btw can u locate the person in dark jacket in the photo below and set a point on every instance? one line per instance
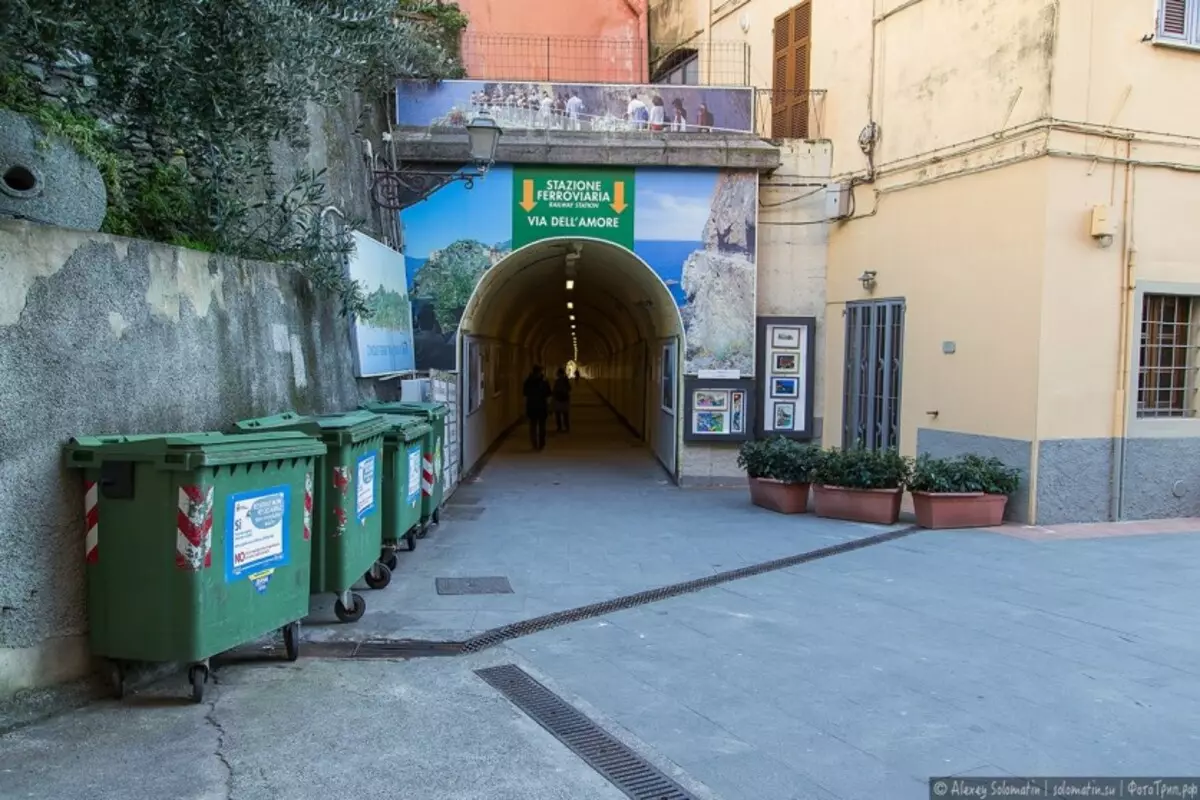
(537, 396)
(562, 402)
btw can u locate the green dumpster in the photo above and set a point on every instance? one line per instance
(402, 451)
(433, 478)
(347, 529)
(194, 544)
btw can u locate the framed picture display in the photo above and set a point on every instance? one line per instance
(786, 363)
(718, 409)
(786, 337)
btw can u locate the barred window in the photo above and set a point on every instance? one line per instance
(1167, 370)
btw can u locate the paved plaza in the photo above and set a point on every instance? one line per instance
(859, 675)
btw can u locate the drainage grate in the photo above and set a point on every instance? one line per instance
(624, 768)
(462, 512)
(496, 585)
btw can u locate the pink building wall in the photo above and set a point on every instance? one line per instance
(594, 41)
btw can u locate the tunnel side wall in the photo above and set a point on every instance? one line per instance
(493, 405)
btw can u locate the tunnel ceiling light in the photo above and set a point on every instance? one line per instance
(570, 304)
(572, 318)
(570, 284)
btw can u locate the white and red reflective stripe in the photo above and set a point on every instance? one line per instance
(427, 475)
(193, 540)
(308, 505)
(91, 515)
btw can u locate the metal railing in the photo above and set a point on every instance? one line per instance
(783, 114)
(559, 59)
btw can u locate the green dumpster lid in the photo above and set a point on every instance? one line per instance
(407, 426)
(426, 410)
(192, 450)
(348, 427)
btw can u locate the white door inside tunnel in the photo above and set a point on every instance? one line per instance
(566, 303)
(664, 402)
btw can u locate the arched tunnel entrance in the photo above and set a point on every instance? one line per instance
(581, 302)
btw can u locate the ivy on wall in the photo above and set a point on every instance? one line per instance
(180, 103)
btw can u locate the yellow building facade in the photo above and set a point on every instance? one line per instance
(1013, 253)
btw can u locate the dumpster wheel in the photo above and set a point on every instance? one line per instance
(117, 676)
(291, 640)
(389, 559)
(198, 676)
(350, 614)
(411, 538)
(378, 576)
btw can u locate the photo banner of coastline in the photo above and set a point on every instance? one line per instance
(577, 106)
(695, 228)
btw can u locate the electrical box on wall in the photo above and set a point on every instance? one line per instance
(837, 201)
(1101, 221)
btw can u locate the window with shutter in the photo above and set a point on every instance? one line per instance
(789, 97)
(1179, 21)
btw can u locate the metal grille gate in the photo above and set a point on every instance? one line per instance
(874, 352)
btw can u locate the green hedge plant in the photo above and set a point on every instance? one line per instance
(780, 459)
(964, 474)
(859, 468)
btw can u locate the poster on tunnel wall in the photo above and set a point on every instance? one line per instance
(696, 228)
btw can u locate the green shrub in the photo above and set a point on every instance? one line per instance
(859, 468)
(965, 473)
(781, 459)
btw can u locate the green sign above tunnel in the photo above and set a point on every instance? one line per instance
(549, 202)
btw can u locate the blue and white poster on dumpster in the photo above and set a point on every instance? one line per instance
(414, 474)
(256, 534)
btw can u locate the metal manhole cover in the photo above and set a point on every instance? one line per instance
(463, 512)
(486, 585)
(608, 755)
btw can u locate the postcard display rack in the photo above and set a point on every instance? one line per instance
(719, 409)
(785, 376)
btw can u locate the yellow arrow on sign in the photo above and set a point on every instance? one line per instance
(618, 203)
(527, 195)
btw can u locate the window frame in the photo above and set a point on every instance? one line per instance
(1190, 40)
(1152, 427)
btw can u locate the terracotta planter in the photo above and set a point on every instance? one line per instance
(879, 506)
(939, 511)
(786, 498)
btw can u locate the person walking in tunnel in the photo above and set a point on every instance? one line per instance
(562, 402)
(537, 396)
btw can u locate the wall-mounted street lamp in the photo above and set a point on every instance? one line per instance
(398, 188)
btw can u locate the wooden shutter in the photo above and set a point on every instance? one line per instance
(1175, 19)
(791, 79)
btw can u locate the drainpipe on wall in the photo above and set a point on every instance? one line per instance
(1116, 494)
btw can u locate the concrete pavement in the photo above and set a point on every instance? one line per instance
(856, 676)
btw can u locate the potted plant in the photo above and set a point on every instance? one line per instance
(967, 491)
(861, 485)
(779, 471)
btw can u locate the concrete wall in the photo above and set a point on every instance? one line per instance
(972, 283)
(595, 42)
(106, 335)
(505, 366)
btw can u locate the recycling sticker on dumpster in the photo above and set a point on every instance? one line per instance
(365, 487)
(256, 531)
(414, 475)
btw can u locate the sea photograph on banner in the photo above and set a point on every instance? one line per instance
(383, 341)
(665, 109)
(694, 228)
